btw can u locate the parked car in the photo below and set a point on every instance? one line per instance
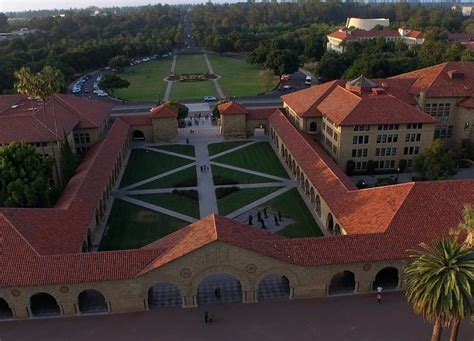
(210, 98)
(285, 78)
(308, 80)
(285, 88)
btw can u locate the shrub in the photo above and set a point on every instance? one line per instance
(225, 191)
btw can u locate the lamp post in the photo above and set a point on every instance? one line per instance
(398, 172)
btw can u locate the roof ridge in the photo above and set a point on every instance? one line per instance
(69, 106)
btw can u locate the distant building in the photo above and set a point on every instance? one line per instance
(338, 40)
(367, 24)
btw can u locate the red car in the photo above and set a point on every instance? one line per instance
(285, 78)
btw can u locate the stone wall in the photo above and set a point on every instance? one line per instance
(233, 126)
(165, 129)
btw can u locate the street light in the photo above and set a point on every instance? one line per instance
(398, 172)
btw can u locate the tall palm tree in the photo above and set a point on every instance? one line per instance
(466, 226)
(439, 282)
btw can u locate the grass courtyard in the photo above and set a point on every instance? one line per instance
(168, 203)
(192, 90)
(239, 78)
(146, 81)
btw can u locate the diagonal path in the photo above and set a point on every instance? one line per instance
(219, 91)
(259, 202)
(158, 209)
(169, 153)
(245, 170)
(156, 177)
(228, 151)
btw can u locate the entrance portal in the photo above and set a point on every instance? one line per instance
(273, 287)
(164, 295)
(219, 288)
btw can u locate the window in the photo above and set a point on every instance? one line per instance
(313, 126)
(443, 132)
(360, 139)
(439, 110)
(388, 127)
(359, 152)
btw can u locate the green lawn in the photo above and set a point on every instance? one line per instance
(183, 149)
(146, 81)
(239, 78)
(143, 164)
(192, 90)
(242, 197)
(292, 206)
(185, 178)
(132, 227)
(216, 148)
(191, 63)
(225, 176)
(258, 157)
(172, 201)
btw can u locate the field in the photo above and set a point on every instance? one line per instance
(192, 90)
(239, 78)
(146, 81)
(191, 63)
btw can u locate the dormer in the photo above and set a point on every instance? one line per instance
(456, 75)
(361, 85)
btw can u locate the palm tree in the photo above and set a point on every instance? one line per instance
(439, 282)
(466, 226)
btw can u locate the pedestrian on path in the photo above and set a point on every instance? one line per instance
(210, 318)
(259, 216)
(202, 169)
(279, 215)
(265, 212)
(379, 297)
(250, 220)
(206, 317)
(276, 221)
(217, 293)
(379, 289)
(187, 140)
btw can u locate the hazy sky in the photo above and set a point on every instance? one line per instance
(24, 5)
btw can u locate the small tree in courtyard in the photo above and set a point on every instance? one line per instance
(182, 109)
(435, 163)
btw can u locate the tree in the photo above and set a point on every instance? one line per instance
(113, 82)
(282, 61)
(439, 280)
(266, 78)
(3, 22)
(119, 62)
(182, 109)
(69, 161)
(466, 226)
(25, 82)
(435, 163)
(24, 177)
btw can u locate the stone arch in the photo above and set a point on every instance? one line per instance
(313, 127)
(312, 196)
(138, 135)
(92, 301)
(5, 310)
(330, 223)
(306, 186)
(337, 229)
(318, 206)
(342, 283)
(164, 294)
(43, 304)
(388, 278)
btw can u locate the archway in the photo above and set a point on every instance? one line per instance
(219, 288)
(318, 206)
(164, 295)
(5, 310)
(138, 135)
(92, 301)
(273, 287)
(330, 223)
(306, 186)
(342, 283)
(43, 304)
(313, 127)
(387, 278)
(312, 197)
(260, 131)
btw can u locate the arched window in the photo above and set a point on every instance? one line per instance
(313, 126)
(273, 287)
(387, 278)
(219, 288)
(5, 310)
(337, 229)
(92, 301)
(43, 304)
(318, 206)
(330, 223)
(164, 295)
(342, 283)
(138, 135)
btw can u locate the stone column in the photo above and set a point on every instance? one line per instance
(249, 296)
(189, 301)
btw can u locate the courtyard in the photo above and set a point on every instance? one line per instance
(166, 187)
(361, 316)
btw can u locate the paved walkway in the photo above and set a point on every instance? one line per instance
(169, 84)
(219, 91)
(207, 194)
(348, 318)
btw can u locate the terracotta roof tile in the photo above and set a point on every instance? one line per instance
(137, 120)
(231, 108)
(164, 111)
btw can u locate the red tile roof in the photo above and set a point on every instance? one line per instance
(164, 111)
(259, 114)
(231, 108)
(137, 120)
(305, 102)
(435, 81)
(346, 108)
(361, 34)
(37, 125)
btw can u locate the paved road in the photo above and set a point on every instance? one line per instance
(348, 318)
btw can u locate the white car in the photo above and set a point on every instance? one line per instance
(102, 94)
(210, 98)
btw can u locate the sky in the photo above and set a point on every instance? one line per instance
(24, 5)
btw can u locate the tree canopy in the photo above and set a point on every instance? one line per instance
(24, 177)
(182, 109)
(435, 163)
(112, 82)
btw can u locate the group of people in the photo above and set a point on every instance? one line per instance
(276, 218)
(205, 168)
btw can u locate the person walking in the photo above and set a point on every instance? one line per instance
(276, 221)
(210, 318)
(187, 140)
(250, 220)
(379, 289)
(206, 317)
(379, 297)
(265, 212)
(217, 293)
(201, 169)
(259, 216)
